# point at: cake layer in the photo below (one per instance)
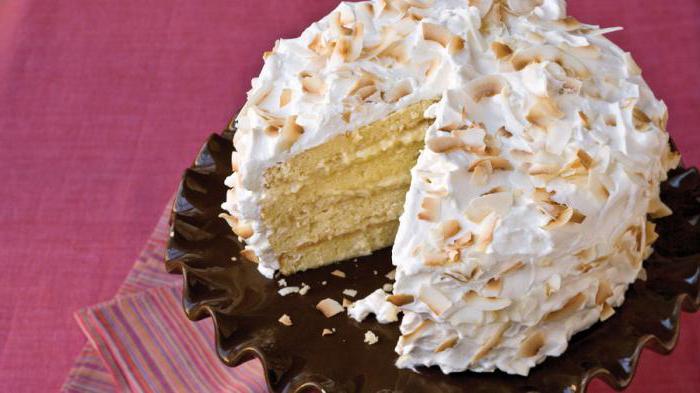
(330, 219)
(404, 126)
(350, 245)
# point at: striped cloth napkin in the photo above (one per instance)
(141, 340)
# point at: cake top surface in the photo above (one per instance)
(526, 217)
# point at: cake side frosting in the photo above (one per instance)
(355, 66)
(526, 218)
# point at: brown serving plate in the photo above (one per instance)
(245, 307)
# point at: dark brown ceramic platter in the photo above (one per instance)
(245, 307)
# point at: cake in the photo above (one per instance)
(511, 155)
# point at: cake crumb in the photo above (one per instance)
(324, 282)
(329, 307)
(327, 332)
(371, 338)
(375, 272)
(338, 273)
(282, 283)
(234, 259)
(304, 289)
(391, 275)
(388, 287)
(285, 320)
(350, 292)
(288, 290)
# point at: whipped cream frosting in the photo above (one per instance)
(526, 219)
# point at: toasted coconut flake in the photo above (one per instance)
(465, 240)
(603, 293)
(561, 219)
(346, 303)
(235, 166)
(496, 163)
(584, 120)
(568, 23)
(447, 344)
(436, 301)
(408, 336)
(272, 130)
(480, 207)
(391, 275)
(501, 50)
(329, 307)
(432, 67)
(371, 338)
(327, 332)
(512, 268)
(437, 33)
(658, 209)
(450, 228)
(504, 133)
(288, 291)
(537, 54)
(632, 66)
(243, 230)
(338, 273)
(312, 84)
(485, 232)
(400, 299)
(481, 172)
(436, 259)
(640, 119)
(397, 92)
(531, 345)
(304, 289)
(396, 51)
(485, 87)
(492, 342)
(285, 320)
(442, 144)
(455, 45)
(571, 306)
(366, 92)
(350, 292)
(317, 46)
(606, 312)
(430, 209)
(586, 160)
(485, 303)
(290, 132)
(493, 287)
(544, 112)
(650, 233)
(250, 255)
(597, 188)
(285, 97)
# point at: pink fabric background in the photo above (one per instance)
(102, 105)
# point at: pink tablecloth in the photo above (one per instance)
(102, 104)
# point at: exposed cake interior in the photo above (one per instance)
(343, 198)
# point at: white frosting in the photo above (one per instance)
(481, 250)
(545, 156)
(375, 303)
